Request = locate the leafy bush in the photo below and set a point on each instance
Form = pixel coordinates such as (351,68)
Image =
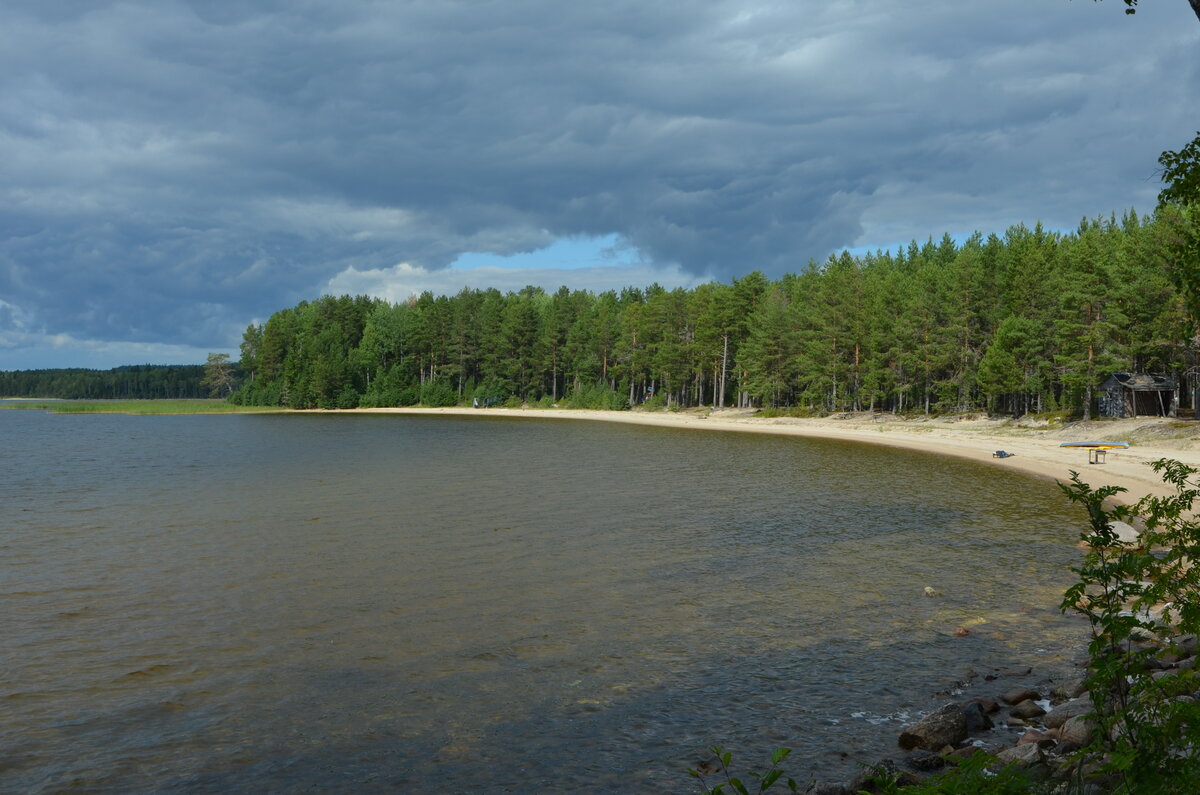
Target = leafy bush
(437,394)
(1142,721)
(596,396)
(764,780)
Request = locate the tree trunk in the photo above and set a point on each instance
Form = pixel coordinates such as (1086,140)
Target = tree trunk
(724,367)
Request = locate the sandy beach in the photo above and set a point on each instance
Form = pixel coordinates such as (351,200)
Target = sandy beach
(1034,445)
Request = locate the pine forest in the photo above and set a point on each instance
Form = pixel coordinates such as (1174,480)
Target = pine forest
(1031,321)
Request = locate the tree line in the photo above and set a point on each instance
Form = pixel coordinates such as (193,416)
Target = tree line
(1028,321)
(132,382)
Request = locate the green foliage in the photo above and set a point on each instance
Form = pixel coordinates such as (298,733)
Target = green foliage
(154,406)
(1181,174)
(974,775)
(761,782)
(218,376)
(1141,720)
(1025,322)
(596,396)
(137,382)
(436,395)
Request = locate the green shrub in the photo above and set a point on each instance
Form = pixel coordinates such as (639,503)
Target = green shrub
(436,394)
(1141,721)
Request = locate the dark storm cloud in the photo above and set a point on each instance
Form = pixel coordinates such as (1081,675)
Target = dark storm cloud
(173,170)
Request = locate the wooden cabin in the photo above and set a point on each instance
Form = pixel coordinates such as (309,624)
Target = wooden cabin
(1139,395)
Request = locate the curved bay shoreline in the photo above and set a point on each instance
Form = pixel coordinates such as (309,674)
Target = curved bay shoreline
(1035,448)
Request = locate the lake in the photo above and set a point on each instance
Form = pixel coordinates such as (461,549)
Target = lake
(483,604)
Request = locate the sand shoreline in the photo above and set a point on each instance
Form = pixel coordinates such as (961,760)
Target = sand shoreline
(1035,450)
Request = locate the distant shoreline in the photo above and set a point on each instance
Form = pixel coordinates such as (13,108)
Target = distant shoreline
(1035,449)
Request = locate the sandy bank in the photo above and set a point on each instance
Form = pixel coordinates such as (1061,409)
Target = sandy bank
(1036,449)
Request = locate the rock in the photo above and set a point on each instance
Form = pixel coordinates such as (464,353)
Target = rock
(1042,739)
(1077,730)
(1064,712)
(946,726)
(976,717)
(1015,723)
(1186,665)
(1019,694)
(1066,749)
(1026,710)
(1021,756)
(931,592)
(966,752)
(925,761)
(1158,663)
(989,706)
(1072,688)
(827,788)
(1181,648)
(1126,533)
(1188,644)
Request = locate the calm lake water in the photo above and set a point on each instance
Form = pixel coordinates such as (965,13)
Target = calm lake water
(438,604)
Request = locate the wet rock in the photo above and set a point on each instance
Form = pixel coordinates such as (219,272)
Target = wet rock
(1072,688)
(1077,730)
(946,726)
(925,761)
(1018,694)
(1015,723)
(976,717)
(1027,710)
(1056,717)
(989,706)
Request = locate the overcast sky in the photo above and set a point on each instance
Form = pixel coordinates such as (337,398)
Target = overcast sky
(172,171)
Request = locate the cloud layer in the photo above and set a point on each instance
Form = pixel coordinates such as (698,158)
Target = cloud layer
(174,170)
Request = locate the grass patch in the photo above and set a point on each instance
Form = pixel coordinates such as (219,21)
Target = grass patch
(137,407)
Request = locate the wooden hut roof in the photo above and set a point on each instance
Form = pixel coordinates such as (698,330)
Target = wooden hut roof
(1145,382)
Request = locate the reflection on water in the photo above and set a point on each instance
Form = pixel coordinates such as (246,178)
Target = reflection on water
(462,604)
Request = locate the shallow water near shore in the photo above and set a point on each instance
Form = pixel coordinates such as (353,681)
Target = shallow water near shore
(418,603)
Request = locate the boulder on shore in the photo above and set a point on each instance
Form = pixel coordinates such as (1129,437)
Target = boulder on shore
(1027,709)
(1064,712)
(976,716)
(1019,694)
(1126,533)
(1077,730)
(946,726)
(1022,756)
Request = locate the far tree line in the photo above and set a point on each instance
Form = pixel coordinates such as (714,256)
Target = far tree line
(132,382)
